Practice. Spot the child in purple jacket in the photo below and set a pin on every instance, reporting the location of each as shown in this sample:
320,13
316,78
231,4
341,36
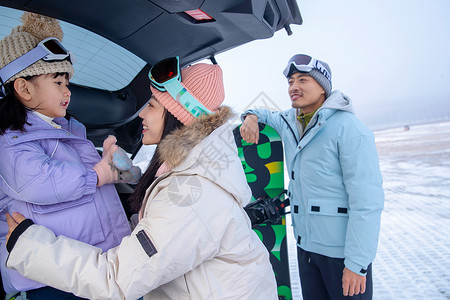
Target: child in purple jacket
49,171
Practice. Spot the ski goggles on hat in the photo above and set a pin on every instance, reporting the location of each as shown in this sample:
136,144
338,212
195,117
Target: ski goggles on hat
49,49
165,76
305,63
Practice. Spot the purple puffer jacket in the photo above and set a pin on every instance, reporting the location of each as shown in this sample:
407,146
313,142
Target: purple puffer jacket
46,174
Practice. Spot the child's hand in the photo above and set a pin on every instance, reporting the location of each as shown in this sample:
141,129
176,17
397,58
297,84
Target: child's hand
127,171
115,165
109,142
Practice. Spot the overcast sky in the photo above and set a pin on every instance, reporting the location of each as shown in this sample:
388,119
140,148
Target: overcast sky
387,56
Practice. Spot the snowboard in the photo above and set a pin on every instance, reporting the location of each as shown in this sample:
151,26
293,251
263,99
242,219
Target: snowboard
264,170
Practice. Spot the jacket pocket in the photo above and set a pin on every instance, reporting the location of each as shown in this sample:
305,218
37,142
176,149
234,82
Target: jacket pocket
78,219
328,219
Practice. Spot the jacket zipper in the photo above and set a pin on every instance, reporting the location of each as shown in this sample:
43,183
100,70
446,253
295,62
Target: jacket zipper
306,132
290,128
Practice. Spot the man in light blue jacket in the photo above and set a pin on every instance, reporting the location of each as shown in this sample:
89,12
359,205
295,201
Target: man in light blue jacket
335,184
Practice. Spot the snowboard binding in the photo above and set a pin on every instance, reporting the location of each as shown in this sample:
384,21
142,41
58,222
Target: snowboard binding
267,210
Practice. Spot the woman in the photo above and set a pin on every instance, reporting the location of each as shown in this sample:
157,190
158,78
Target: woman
193,239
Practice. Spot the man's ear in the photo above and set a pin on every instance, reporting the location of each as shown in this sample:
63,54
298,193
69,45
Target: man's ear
21,89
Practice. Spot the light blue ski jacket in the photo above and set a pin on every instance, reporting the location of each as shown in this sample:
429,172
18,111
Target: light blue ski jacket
335,186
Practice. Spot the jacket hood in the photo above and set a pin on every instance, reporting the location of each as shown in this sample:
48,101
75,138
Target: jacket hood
338,101
174,148
207,148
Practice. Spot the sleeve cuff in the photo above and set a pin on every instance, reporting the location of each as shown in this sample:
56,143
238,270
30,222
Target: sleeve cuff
17,232
355,268
248,112
91,182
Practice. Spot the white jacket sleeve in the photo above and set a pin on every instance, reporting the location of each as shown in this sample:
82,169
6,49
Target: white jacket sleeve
168,242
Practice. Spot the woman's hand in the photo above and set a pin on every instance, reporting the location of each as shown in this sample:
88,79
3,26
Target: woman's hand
13,221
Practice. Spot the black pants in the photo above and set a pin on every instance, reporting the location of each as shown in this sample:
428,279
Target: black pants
321,277
49,293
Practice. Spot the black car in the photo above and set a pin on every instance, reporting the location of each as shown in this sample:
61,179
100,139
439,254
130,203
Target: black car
116,42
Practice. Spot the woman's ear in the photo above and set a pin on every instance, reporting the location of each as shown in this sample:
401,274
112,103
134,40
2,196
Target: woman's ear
21,89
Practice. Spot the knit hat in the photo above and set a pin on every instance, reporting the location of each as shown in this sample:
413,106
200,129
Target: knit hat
24,38
317,74
204,82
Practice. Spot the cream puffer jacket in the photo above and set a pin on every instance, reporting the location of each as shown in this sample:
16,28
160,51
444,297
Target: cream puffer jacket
193,240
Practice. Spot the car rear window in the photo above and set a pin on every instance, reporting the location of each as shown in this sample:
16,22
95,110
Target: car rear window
99,63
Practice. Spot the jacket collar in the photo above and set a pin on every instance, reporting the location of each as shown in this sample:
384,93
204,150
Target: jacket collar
38,129
175,147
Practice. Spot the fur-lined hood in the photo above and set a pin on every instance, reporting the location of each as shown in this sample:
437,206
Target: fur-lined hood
175,147
207,148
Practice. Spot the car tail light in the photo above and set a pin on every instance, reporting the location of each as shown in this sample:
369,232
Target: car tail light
199,15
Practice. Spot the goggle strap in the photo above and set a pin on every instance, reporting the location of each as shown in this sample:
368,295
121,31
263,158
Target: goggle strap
21,63
323,70
182,96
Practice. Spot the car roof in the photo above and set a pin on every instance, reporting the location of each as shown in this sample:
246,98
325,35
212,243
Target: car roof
156,29
149,30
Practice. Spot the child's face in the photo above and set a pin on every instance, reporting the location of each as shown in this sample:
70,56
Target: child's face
49,95
153,121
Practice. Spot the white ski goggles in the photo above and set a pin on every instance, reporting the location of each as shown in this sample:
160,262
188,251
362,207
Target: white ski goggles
49,49
305,63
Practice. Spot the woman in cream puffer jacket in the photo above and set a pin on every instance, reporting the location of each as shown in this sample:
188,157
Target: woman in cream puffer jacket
193,240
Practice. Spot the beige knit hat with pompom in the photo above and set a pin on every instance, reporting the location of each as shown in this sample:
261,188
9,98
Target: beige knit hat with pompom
25,37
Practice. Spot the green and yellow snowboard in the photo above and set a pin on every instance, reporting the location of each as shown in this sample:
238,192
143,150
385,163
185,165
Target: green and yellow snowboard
264,169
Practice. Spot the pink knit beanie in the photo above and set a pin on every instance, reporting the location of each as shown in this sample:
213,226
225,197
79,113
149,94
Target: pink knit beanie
204,82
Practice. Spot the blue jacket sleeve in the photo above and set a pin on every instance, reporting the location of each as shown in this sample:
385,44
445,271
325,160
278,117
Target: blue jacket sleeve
363,183
271,118
37,178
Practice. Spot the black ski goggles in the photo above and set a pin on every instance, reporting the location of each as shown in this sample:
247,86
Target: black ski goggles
165,76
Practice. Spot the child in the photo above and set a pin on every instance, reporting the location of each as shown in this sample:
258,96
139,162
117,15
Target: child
49,171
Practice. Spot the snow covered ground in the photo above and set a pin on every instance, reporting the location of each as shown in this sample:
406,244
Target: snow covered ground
413,258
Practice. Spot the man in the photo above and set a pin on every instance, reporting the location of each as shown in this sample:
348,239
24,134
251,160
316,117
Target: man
335,184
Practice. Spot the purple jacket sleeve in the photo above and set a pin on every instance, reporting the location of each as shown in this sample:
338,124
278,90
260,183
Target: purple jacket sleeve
37,178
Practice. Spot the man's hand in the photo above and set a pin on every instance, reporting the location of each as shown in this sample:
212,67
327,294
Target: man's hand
12,222
250,130
352,283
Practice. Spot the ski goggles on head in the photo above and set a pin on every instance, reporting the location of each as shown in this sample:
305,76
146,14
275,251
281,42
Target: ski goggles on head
165,76
49,49
305,63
